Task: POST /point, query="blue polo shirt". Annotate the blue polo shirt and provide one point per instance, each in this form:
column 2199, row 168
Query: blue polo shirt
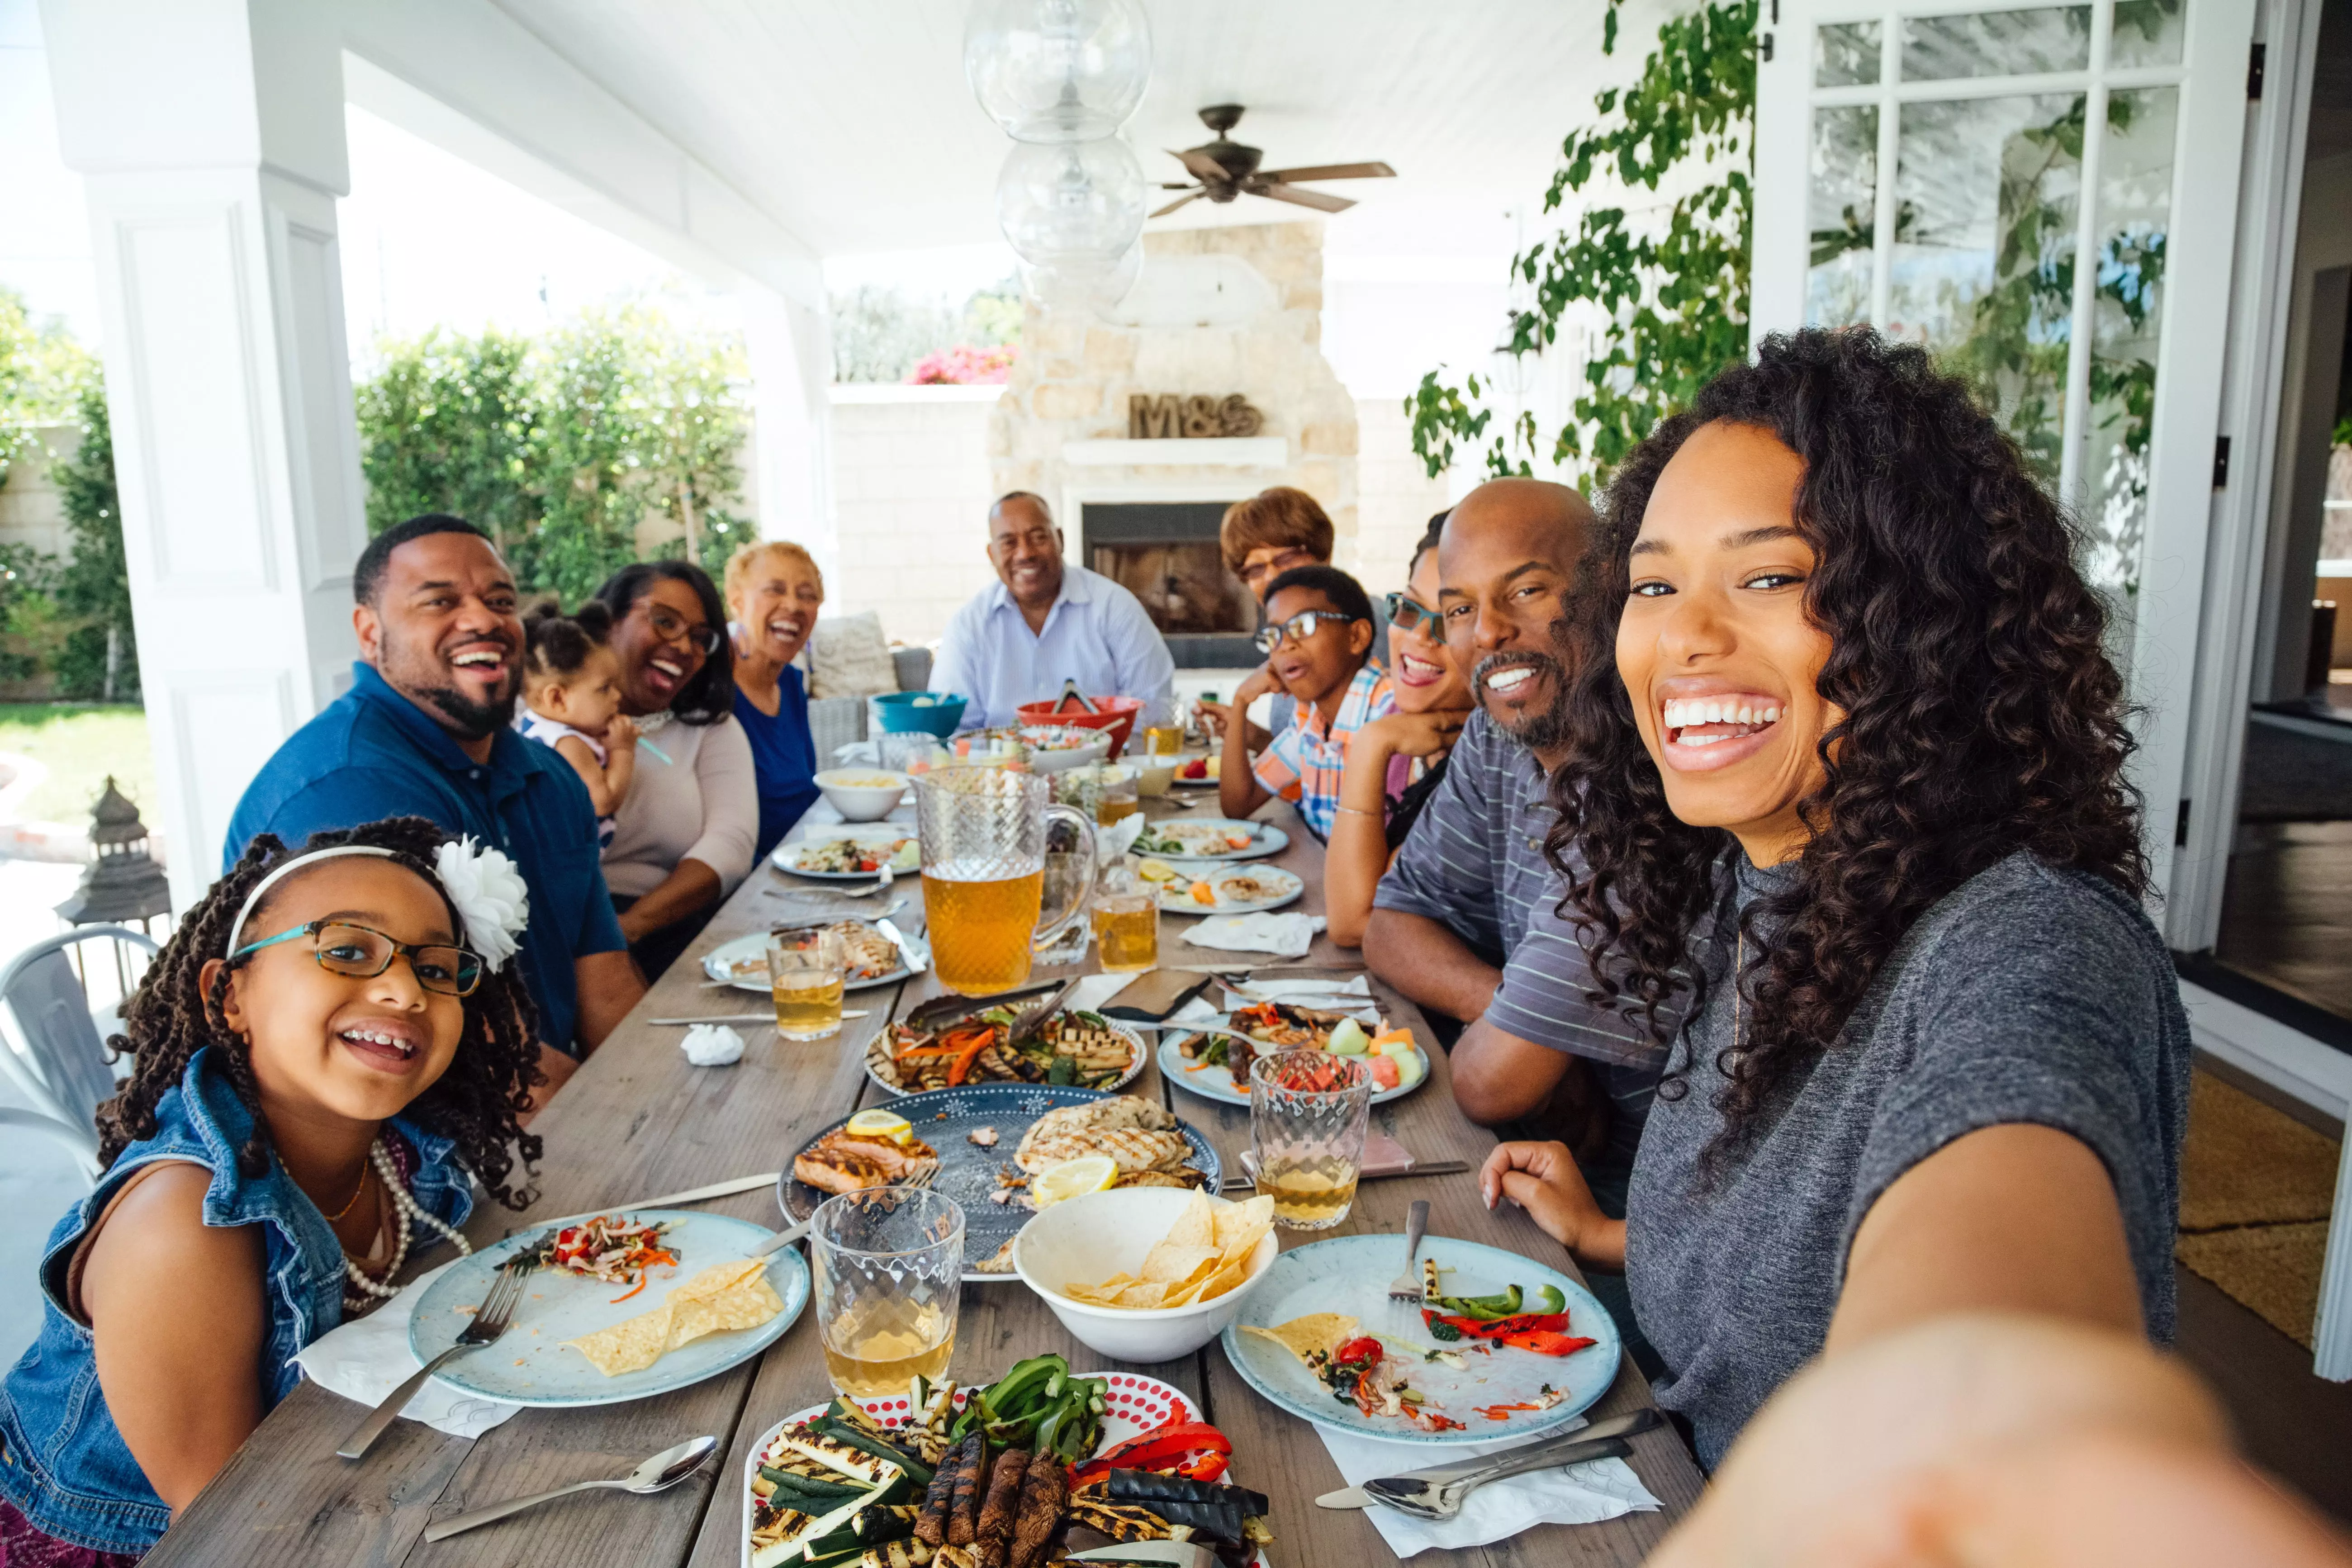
column 372, row 754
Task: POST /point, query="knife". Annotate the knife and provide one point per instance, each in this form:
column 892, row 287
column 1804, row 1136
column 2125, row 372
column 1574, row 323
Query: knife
column 1176, row 1554
column 1242, row 1184
column 907, row 950
column 1575, row 1447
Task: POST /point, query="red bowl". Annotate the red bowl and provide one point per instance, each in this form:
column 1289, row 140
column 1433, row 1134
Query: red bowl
column 1117, row 715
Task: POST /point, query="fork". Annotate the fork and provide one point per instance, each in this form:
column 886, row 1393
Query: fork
column 490, row 1321
column 1406, row 1287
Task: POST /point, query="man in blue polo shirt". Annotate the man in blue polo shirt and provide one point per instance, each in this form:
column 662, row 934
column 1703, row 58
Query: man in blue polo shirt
column 424, row 731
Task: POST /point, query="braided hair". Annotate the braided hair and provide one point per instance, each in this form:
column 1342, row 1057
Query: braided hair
column 556, row 645
column 173, row 1015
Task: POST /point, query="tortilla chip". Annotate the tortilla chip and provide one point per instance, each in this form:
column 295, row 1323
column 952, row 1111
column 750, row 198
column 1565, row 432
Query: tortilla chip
column 722, row 1297
column 1144, row 1297
column 1302, row 1337
column 1196, row 1226
column 1229, row 1277
column 1167, row 1264
column 1239, row 1225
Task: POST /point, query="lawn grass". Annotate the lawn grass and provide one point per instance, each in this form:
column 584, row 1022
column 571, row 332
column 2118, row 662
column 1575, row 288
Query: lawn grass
column 81, row 743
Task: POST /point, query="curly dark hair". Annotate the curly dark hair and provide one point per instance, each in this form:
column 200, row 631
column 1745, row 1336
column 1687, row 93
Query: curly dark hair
column 172, row 1016
column 710, row 697
column 1982, row 714
column 557, row 644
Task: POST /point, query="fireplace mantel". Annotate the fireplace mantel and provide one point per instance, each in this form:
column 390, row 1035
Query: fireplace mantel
column 1201, row 452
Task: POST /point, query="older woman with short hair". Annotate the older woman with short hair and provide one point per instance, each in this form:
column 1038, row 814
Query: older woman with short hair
column 1847, row 778
column 773, row 592
column 684, row 837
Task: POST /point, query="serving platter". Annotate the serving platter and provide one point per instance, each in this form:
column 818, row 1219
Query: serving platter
column 878, row 1050
column 1264, row 839
column 1285, row 889
column 1215, row 1082
column 1350, row 1274
column 719, row 963
column 530, row 1364
column 945, row 1119
column 785, row 857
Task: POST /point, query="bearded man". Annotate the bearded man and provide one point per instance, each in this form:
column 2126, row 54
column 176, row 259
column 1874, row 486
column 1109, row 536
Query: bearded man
column 425, row 731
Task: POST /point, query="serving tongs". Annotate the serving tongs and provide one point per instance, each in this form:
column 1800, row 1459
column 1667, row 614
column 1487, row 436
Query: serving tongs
column 1070, row 693
column 940, row 1011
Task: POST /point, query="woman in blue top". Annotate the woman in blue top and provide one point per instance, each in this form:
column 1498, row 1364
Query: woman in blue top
column 773, row 592
column 329, row 1045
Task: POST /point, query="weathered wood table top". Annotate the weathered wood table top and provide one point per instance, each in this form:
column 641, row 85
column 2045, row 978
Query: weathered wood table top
column 638, row 1120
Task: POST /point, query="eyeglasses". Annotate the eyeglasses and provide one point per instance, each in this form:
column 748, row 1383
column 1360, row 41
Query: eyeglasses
column 1297, row 628
column 1251, row 575
column 669, row 628
column 1406, row 614
column 363, row 952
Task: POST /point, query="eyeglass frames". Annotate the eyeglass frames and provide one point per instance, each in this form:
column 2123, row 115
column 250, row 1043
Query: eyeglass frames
column 1258, row 572
column 1297, row 628
column 1406, row 614
column 671, row 628
column 363, row 952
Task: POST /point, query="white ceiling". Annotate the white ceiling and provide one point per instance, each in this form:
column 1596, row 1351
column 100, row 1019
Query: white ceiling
column 850, row 123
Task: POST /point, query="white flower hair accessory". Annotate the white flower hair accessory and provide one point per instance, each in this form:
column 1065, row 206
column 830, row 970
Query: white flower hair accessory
column 491, row 897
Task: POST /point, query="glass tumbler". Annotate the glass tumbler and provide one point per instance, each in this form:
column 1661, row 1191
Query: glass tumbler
column 1126, row 921
column 806, row 980
column 1116, row 797
column 888, row 1266
column 1308, row 1111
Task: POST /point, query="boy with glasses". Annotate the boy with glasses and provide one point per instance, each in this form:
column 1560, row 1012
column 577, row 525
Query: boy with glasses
column 1318, row 640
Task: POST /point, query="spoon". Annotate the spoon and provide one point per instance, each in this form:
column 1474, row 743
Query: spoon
column 664, row 1471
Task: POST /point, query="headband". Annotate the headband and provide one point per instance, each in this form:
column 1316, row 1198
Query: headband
column 285, row 868
column 486, row 888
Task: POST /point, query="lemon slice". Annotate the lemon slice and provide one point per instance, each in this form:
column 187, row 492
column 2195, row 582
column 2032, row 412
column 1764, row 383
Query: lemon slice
column 1073, row 1178
column 1152, row 871
column 879, row 1124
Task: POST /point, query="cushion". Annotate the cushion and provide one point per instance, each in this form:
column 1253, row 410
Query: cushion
column 849, row 657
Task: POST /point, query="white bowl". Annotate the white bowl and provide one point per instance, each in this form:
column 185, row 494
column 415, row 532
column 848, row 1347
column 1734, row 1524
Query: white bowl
column 1092, row 1238
column 1096, row 747
column 862, row 802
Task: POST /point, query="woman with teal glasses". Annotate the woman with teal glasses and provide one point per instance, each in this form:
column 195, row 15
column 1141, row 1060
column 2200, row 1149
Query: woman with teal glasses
column 332, row 1043
column 1394, row 762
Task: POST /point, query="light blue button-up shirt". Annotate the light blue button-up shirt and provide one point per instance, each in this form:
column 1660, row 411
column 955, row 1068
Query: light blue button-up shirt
column 1096, row 633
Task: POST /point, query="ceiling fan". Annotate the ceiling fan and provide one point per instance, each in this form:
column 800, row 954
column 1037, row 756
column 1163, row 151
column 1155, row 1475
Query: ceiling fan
column 1225, row 169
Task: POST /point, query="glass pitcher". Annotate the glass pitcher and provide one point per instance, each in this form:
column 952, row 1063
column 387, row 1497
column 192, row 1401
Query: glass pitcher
column 983, row 842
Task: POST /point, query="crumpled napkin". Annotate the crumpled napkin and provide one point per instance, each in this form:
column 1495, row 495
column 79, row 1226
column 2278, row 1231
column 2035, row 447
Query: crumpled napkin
column 367, row 1358
column 1579, row 1494
column 712, row 1045
column 1289, row 934
column 1112, row 843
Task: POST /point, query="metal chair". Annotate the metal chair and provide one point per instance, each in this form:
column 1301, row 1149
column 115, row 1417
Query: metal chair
column 83, row 1147
column 64, row 1070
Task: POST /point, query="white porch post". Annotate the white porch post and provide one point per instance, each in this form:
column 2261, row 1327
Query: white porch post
column 790, row 352
column 210, row 137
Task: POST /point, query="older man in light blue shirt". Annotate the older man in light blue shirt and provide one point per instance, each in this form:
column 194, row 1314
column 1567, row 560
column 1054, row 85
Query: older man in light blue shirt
column 1046, row 622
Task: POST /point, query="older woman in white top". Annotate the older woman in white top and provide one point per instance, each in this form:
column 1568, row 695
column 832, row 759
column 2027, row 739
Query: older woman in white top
column 684, row 838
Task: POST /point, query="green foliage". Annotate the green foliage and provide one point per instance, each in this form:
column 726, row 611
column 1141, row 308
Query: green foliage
column 44, row 371
column 563, row 445
column 1672, row 292
column 97, row 655
column 881, row 333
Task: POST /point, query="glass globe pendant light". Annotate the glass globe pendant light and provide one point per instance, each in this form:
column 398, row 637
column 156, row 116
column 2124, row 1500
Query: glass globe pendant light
column 1077, row 205
column 1085, row 286
column 1058, row 70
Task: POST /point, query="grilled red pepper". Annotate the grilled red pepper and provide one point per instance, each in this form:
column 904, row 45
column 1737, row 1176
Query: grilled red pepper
column 1188, row 1447
column 1543, row 1333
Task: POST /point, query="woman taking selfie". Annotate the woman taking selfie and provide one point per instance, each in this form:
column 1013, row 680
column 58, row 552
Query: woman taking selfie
column 1849, row 778
column 332, row 1043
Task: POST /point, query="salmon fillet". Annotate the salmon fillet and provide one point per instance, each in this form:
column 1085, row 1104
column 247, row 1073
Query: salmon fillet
column 838, row 1162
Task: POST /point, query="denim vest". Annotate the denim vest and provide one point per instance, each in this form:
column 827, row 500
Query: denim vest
column 62, row 1462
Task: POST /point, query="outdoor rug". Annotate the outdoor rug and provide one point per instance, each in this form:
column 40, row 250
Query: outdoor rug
column 2293, row 777
column 2256, row 1190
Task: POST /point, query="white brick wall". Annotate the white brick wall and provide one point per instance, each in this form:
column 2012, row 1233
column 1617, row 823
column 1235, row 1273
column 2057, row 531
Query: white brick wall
column 910, row 491
column 1395, row 497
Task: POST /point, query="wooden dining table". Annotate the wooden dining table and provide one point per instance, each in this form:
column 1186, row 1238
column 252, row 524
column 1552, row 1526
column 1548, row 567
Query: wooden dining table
column 639, row 1120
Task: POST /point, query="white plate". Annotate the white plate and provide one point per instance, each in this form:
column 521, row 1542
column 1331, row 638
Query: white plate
column 717, row 963
column 529, row 1365
column 784, row 856
column 1176, row 898
column 1137, row 1404
column 1216, row 1083
column 1265, row 840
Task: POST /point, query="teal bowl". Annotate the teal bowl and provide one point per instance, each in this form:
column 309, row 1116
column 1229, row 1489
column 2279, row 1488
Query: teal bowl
column 941, row 712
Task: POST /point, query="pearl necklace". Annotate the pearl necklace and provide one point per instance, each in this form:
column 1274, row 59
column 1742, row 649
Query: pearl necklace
column 404, row 1208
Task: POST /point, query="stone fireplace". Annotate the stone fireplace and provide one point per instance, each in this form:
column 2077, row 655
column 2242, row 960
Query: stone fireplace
column 1218, row 314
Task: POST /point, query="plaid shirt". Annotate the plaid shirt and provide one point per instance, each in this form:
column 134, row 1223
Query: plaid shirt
column 1305, row 763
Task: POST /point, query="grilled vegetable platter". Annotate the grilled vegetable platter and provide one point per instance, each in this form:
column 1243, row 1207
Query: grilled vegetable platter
column 1013, row 1474
column 985, row 1144
column 1072, row 1050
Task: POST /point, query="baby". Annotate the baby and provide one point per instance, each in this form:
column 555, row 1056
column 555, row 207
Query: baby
column 571, row 687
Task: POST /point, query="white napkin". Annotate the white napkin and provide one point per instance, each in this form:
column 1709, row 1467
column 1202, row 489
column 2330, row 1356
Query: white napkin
column 368, row 1357
column 1112, row 843
column 712, row 1045
column 1286, row 935
column 1579, row 1494
column 857, row 753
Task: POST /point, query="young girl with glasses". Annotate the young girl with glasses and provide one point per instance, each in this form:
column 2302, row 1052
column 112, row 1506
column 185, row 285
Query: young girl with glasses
column 331, row 1045
column 1318, row 640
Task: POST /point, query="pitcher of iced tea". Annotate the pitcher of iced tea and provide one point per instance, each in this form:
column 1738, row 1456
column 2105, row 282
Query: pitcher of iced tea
column 983, row 843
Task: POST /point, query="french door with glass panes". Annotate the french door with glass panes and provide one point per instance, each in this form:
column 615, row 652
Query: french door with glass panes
column 2046, row 197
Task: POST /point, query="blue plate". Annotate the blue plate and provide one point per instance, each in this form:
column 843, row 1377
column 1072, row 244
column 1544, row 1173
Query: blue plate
column 529, row 1365
column 1350, row 1274
column 944, row 1119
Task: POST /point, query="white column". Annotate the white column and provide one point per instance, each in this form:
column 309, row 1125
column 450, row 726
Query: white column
column 790, row 352
column 210, row 137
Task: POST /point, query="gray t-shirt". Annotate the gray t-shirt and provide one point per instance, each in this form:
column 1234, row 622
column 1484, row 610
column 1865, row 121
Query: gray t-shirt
column 2027, row 995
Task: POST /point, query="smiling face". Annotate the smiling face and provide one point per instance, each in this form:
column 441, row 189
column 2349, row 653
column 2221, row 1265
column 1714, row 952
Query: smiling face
column 443, row 632
column 338, row 1046
column 1424, row 673
column 660, row 644
column 1715, row 650
column 1026, row 548
column 1506, row 564
column 1316, row 667
column 777, row 606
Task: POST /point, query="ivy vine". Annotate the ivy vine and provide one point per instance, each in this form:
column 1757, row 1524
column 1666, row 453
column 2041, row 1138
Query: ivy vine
column 1674, row 292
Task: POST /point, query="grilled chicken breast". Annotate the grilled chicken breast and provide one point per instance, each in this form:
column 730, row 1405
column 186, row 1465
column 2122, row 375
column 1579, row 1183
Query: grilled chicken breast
column 839, row 1163
column 1132, row 1148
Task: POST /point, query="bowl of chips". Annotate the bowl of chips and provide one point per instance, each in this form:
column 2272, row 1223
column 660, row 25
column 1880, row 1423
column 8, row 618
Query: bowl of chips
column 1146, row 1274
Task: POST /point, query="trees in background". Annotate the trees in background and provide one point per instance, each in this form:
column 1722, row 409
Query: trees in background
column 884, row 334
column 579, row 449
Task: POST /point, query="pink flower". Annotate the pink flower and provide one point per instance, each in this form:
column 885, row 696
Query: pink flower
column 964, row 365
